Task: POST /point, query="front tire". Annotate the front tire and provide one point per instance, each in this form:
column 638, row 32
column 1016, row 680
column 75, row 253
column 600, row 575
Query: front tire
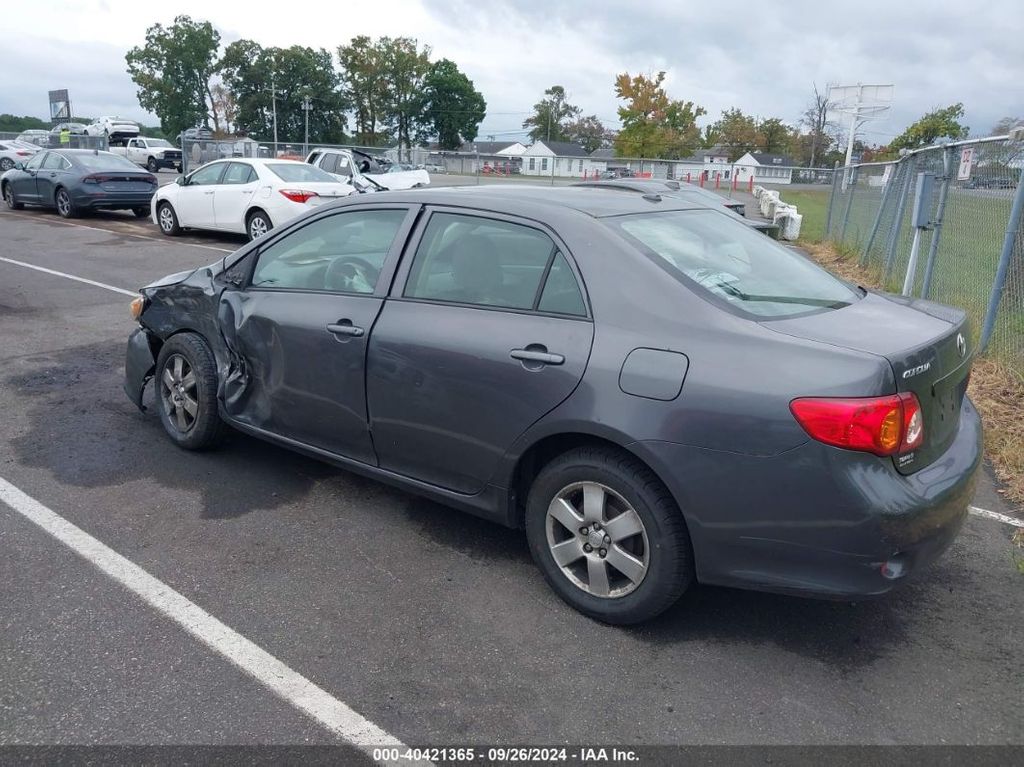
column 10, row 199
column 65, row 205
column 167, row 219
column 152, row 165
column 258, row 224
column 608, row 536
column 186, row 392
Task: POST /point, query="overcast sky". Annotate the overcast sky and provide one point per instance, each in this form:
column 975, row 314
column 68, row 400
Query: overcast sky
column 759, row 56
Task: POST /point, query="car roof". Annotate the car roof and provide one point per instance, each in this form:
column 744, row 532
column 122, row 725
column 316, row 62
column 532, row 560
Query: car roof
column 533, row 200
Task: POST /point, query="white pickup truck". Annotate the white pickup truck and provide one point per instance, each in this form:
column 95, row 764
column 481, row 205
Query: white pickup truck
column 363, row 170
column 151, row 153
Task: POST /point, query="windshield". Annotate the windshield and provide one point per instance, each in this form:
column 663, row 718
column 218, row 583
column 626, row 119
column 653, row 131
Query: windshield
column 104, row 161
column 299, row 171
column 734, row 263
column 159, row 142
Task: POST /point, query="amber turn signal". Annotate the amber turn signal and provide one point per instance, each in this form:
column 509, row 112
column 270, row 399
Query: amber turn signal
column 136, row 307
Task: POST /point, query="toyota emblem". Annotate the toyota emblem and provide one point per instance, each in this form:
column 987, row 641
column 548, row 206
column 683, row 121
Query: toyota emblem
column 961, row 344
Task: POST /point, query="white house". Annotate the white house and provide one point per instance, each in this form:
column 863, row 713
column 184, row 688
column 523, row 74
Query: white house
column 764, row 168
column 554, row 158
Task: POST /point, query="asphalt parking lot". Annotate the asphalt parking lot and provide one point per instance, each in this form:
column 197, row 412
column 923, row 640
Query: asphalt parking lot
column 433, row 625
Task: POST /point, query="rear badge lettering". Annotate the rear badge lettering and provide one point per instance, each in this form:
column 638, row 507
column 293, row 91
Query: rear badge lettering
column 916, row 371
column 905, row 460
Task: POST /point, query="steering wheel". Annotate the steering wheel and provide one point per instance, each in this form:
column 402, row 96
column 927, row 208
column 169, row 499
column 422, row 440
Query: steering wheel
column 349, row 273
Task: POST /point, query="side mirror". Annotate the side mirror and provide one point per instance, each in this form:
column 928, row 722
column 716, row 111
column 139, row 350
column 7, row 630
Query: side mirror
column 19, row 166
column 181, row 181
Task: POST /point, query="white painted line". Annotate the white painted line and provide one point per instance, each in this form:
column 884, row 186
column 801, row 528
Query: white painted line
column 1004, row 518
column 126, row 234
column 291, row 686
column 103, row 285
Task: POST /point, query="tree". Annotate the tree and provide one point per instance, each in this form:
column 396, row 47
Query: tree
column 551, row 116
column 1005, row 125
column 737, row 132
column 366, row 88
column 173, row 72
column 939, row 123
column 453, row 108
column 258, row 77
column 12, row 124
column 815, row 119
column 774, row 136
column 654, row 125
column 709, row 137
column 224, row 107
column 589, row 132
column 404, row 68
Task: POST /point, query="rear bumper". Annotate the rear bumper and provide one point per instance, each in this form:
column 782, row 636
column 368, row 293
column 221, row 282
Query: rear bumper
column 111, row 200
column 816, row 520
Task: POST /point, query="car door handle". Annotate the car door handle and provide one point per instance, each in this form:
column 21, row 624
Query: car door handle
column 537, row 354
column 210, row 192
column 344, row 328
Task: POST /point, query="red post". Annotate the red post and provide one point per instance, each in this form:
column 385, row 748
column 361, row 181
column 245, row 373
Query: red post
column 751, row 186
column 734, row 180
column 687, row 178
column 703, row 173
column 718, row 180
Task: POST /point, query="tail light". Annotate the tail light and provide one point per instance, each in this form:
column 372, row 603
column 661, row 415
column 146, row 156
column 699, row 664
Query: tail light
column 94, row 179
column 297, row 195
column 880, row 425
column 23, row 153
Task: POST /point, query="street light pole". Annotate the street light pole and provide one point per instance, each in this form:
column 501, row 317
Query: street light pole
column 307, row 105
column 273, row 102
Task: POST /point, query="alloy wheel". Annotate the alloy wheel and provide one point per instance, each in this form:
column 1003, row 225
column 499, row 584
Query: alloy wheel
column 166, row 218
column 178, row 391
column 597, row 539
column 6, row 163
column 9, row 197
column 257, row 227
column 63, row 203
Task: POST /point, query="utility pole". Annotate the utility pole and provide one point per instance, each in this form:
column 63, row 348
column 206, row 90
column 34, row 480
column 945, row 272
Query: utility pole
column 307, row 105
column 273, row 102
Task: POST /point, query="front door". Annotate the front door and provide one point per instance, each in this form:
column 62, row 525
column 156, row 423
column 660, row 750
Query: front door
column 299, row 330
column 194, row 202
column 490, row 333
column 232, row 195
column 24, row 187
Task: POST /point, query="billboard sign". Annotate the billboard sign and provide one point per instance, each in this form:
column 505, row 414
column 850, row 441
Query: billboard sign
column 60, row 106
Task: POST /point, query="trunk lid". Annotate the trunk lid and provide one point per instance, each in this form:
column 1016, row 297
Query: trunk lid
column 927, row 345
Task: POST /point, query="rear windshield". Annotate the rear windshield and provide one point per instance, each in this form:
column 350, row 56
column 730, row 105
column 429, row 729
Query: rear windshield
column 104, row 161
column 731, row 262
column 299, row 171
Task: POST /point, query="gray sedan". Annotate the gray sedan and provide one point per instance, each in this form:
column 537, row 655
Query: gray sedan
column 655, row 392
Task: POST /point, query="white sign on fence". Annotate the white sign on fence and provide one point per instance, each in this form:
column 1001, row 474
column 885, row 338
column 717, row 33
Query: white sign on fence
column 966, row 160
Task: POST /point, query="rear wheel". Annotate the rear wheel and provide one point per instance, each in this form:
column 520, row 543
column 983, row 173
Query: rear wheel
column 10, row 199
column 258, row 224
column 6, row 163
column 608, row 536
column 167, row 219
column 186, row 392
column 65, row 206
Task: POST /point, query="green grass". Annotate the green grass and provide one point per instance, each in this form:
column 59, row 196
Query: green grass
column 813, row 206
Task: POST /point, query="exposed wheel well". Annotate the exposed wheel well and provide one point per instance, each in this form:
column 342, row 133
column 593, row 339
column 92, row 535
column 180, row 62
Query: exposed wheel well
column 543, row 452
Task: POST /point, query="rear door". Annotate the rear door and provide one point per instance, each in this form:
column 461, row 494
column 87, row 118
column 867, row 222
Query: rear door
column 231, row 197
column 485, row 332
column 299, row 329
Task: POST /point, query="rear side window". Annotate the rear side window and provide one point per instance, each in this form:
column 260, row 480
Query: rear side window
column 343, row 253
column 728, row 260
column 299, row 172
column 484, row 262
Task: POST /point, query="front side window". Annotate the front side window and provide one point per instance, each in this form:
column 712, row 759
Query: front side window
column 730, row 261
column 53, row 161
column 36, row 161
column 485, row 262
column 207, row 176
column 343, row 253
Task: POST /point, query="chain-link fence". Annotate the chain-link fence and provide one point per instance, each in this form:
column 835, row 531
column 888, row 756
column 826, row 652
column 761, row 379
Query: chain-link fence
column 49, row 140
column 970, row 253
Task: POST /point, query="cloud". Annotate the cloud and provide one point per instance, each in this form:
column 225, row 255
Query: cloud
column 761, row 58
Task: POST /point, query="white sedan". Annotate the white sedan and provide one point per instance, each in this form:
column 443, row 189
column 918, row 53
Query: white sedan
column 13, row 151
column 246, row 196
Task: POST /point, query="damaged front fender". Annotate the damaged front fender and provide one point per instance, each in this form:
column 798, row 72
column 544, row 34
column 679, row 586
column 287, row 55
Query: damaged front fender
column 139, row 365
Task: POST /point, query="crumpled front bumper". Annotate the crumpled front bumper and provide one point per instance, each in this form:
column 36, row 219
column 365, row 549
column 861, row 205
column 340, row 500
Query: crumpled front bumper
column 139, row 365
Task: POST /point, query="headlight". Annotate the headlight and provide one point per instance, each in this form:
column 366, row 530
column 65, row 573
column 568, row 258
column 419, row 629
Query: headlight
column 136, row 307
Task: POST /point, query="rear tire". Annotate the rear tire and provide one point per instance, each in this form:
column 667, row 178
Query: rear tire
column 258, row 224
column 6, row 163
column 639, row 529
column 64, row 204
column 167, row 219
column 186, row 392
column 10, row 199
